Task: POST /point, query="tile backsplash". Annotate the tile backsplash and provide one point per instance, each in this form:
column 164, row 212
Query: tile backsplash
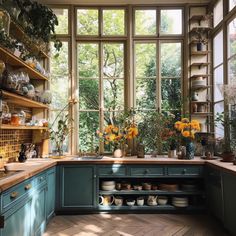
column 10, row 143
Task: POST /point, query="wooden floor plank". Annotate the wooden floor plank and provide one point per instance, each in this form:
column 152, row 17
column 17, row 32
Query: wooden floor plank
column 133, row 225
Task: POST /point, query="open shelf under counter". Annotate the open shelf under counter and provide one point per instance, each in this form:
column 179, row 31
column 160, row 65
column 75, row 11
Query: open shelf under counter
column 22, row 127
column 13, row 60
column 158, row 207
column 21, row 100
column 148, row 192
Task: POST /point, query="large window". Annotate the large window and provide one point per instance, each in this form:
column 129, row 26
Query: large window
column 104, row 61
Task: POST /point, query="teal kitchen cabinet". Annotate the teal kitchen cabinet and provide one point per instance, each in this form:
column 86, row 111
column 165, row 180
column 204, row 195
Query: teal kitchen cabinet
column 77, row 187
column 214, row 192
column 50, row 192
column 17, row 221
column 229, row 191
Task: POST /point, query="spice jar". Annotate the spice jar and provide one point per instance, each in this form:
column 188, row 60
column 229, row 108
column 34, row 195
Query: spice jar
column 15, row 119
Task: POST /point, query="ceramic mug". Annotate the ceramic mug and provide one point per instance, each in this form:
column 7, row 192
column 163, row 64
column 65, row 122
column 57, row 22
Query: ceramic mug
column 118, row 201
column 140, row 201
column 106, row 200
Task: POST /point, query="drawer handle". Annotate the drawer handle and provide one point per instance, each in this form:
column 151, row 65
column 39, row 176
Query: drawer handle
column 41, row 179
column 14, row 194
column 95, row 176
column 28, row 186
column 184, row 171
column 146, row 171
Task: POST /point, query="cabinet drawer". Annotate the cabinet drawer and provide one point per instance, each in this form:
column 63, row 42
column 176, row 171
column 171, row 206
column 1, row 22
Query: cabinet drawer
column 112, row 171
column 146, row 171
column 15, row 194
column 184, row 171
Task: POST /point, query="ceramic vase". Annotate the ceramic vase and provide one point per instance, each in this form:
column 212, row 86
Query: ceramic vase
column 118, row 153
column 189, row 150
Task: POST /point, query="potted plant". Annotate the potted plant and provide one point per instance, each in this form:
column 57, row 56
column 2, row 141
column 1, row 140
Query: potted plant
column 228, row 120
column 201, row 40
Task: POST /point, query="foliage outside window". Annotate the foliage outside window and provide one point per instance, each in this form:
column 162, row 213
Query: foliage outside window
column 63, row 21
column 102, row 87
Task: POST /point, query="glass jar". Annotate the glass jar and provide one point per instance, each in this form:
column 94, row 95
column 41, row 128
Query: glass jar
column 15, row 119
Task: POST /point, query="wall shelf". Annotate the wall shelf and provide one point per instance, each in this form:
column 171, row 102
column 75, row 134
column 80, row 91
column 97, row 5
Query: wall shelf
column 200, row 29
column 197, row 18
column 19, row 33
column 201, row 114
column 200, row 87
column 13, row 60
column 200, row 75
column 21, row 100
column 201, row 102
column 200, row 64
column 22, row 127
column 199, row 53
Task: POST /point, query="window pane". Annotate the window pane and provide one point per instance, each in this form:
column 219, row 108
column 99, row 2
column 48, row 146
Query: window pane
column 232, row 4
column 88, row 94
column 87, row 21
column 218, row 82
column 113, row 64
column 218, row 49
column 218, row 12
column 145, row 22
column 114, row 94
column 219, row 129
column 171, row 21
column 59, row 82
column 232, row 38
column 232, row 69
column 88, row 125
column 62, row 16
column 146, row 93
column 113, row 22
column 171, row 60
column 171, row 94
column 88, row 61
column 145, row 60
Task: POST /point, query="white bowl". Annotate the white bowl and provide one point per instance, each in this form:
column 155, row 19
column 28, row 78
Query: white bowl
column 108, row 183
column 130, row 203
column 162, row 200
column 108, row 187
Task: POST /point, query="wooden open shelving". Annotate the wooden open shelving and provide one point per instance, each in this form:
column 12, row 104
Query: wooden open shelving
column 200, row 87
column 199, row 53
column 11, row 59
column 197, row 18
column 21, row 100
column 201, row 29
column 200, row 64
column 19, row 33
column 200, row 75
column 22, row 127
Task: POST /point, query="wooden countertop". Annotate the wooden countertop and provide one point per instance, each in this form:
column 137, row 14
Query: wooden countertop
column 36, row 166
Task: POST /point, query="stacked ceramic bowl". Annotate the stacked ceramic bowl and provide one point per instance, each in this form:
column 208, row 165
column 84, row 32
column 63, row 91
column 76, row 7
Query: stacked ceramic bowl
column 180, row 201
column 108, row 185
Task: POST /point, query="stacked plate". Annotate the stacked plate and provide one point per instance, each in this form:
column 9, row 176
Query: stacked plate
column 108, row 185
column 180, row 201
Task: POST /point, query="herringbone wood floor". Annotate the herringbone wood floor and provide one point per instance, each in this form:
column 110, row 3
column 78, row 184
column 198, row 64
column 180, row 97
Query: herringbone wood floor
column 133, row 225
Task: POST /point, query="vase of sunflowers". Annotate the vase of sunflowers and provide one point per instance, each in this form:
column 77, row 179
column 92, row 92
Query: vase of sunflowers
column 118, row 137
column 187, row 130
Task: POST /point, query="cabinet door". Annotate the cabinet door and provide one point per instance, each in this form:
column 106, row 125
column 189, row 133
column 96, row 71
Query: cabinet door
column 78, row 186
column 50, row 193
column 18, row 221
column 214, row 192
column 38, row 215
column 229, row 189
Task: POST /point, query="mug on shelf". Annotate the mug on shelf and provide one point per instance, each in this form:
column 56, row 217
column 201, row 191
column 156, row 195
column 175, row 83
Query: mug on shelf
column 140, row 201
column 106, row 200
column 118, row 201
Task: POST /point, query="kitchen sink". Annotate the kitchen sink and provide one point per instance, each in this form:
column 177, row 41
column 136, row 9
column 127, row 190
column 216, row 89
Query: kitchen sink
column 88, row 158
column 5, row 174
